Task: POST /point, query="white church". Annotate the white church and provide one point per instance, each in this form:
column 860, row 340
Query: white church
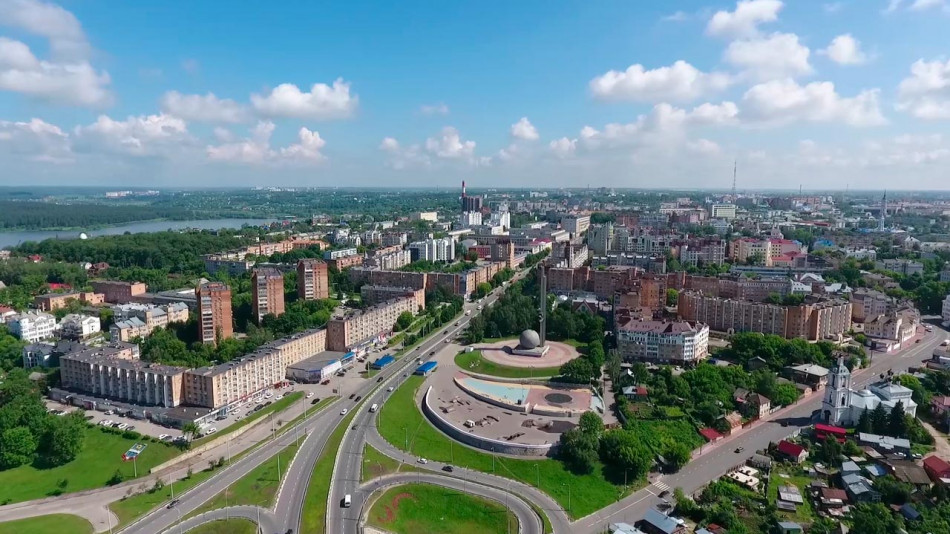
column 843, row 405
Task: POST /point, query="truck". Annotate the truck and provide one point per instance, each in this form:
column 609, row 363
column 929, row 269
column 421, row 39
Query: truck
column 373, row 408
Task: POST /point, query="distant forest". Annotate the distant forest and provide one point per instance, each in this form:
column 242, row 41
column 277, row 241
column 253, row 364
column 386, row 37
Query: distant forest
column 45, row 215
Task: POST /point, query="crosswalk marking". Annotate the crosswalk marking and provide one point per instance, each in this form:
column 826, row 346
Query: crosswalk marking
column 662, row 486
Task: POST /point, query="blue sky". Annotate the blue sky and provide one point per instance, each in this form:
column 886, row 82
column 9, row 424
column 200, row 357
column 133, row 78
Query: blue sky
column 631, row 94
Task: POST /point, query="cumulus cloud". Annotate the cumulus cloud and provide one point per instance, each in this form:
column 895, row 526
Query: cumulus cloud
column 256, row 149
column 389, row 144
column 524, row 130
column 136, row 135
column 778, row 55
column 399, row 158
column 677, row 16
column 845, row 50
column 784, row 101
column 67, row 40
column 75, row 82
column 322, row 102
column 678, row 82
column 563, row 147
column 37, row 140
column 203, row 108
column 434, row 109
column 745, row 20
column 925, row 94
column 924, row 5
column 704, row 147
column 663, row 125
column 449, row 145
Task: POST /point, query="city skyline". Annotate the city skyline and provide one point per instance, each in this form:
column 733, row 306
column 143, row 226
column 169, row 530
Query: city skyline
column 825, row 95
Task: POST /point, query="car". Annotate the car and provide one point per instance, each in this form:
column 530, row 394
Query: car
column 918, row 341
column 390, row 389
column 352, row 395
column 784, row 423
column 353, row 427
column 121, row 426
column 380, row 379
column 432, row 353
column 258, row 407
column 163, row 437
column 422, row 461
column 325, row 382
column 739, row 449
column 172, row 504
column 448, row 469
column 664, row 494
column 404, row 375
column 358, row 397
column 309, row 394
column 458, row 323
column 344, row 411
column 446, row 340
column 211, row 430
column 314, row 401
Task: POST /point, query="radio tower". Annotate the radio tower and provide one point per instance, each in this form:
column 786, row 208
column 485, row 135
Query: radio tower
column 880, row 221
column 734, row 197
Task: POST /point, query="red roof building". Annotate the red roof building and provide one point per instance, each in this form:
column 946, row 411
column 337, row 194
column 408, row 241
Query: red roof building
column 823, row 431
column 937, row 469
column 792, row 451
column 710, row 434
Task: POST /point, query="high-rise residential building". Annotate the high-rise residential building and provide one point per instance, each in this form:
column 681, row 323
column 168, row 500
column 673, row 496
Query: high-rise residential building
column 214, row 312
column 471, row 203
column 601, row 238
column 575, row 224
column 470, row 218
column 946, row 311
column 722, row 211
column 357, row 331
column 313, row 280
column 267, row 292
column 662, row 342
column 442, row 249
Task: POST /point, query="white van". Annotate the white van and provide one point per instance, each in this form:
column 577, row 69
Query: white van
column 347, row 500
column 373, row 408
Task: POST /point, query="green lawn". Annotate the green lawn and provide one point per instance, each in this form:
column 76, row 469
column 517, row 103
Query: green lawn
column 48, row 524
column 804, row 513
column 413, row 508
column 277, row 406
column 133, row 507
column 377, row 464
column 315, row 504
column 100, row 457
column 257, row 488
column 474, row 362
column 400, row 417
column 226, row 526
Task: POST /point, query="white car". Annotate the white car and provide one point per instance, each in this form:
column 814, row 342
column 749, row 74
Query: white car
column 390, row 389
column 105, row 422
column 163, row 437
column 211, row 430
column 122, row 426
column 423, row 461
column 344, row 411
column 309, row 394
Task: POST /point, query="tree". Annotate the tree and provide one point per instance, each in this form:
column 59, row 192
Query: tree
column 591, row 425
column 482, row 289
column 864, row 422
column 784, row 394
column 893, row 491
column 831, row 451
column 677, row 454
column 896, row 423
column 613, row 365
column 879, row 419
column 64, row 439
column 672, row 297
column 403, row 321
column 624, row 450
column 17, row 447
column 874, row 518
column 578, row 371
column 190, row 430
column 578, row 450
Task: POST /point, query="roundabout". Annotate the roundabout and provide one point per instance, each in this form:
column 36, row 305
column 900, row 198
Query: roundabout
column 504, row 352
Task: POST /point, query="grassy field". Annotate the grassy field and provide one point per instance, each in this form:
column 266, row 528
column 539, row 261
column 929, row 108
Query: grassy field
column 803, row 513
column 257, row 488
column 377, row 464
column 131, row 508
column 48, row 524
column 400, row 417
column 474, row 362
column 413, row 508
column 226, row 526
column 314, row 516
column 100, row 457
column 277, row 406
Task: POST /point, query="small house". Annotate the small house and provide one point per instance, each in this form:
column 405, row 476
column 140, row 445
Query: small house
column 790, row 527
column 791, row 451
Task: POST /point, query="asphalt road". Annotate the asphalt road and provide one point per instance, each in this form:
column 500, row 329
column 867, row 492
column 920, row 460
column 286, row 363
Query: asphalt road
column 528, row 521
column 251, row 513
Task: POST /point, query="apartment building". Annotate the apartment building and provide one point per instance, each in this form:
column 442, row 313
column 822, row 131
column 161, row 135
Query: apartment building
column 722, row 211
column 433, row 250
column 345, row 262
column 313, row 279
column 389, row 261
column 395, row 239
column 341, row 253
column 360, row 328
column 267, row 293
column 214, row 312
column 600, row 238
column 220, row 385
column 945, row 315
column 78, row 327
column 139, row 320
column 431, row 216
column 378, row 294
column 816, row 320
column 503, row 252
column 55, row 301
column 269, row 249
column 902, row 266
column 32, row 326
column 896, row 326
column 388, row 278
column 116, row 372
column 116, row 292
column 702, row 252
column 868, row 304
column 233, row 263
column 677, row 342
column 575, row 224
column 766, row 250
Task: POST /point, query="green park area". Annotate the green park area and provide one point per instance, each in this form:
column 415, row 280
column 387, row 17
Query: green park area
column 412, row 508
column 48, row 524
column 226, row 526
column 377, row 464
column 401, row 422
column 97, row 464
column 476, row 363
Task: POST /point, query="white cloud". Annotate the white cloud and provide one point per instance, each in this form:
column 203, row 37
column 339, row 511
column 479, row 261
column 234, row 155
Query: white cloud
column 892, row 6
column 925, row 94
column 845, row 50
column 783, row 101
column 704, row 147
column 223, row 134
column 137, row 136
column 563, row 147
column 665, row 125
column 924, row 5
column 832, row 7
column 524, row 130
column 678, row 82
column 203, row 108
column 36, row 140
column 389, row 144
column 779, row 55
column 678, row 16
column 449, row 145
column 66, row 37
column 256, row 148
column 191, row 66
column 74, row 82
column 399, row 158
column 745, row 20
column 321, row 103
column 434, row 109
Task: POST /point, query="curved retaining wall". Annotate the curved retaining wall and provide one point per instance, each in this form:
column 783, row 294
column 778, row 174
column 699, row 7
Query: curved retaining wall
column 480, row 442
column 521, row 408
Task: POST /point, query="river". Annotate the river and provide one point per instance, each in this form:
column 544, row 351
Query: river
column 9, row 239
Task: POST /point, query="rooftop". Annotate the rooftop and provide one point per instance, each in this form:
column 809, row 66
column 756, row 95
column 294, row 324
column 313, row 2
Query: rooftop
column 659, row 327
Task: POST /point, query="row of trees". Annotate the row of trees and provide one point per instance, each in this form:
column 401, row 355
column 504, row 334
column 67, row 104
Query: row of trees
column 777, row 351
column 582, row 449
column 28, row 434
